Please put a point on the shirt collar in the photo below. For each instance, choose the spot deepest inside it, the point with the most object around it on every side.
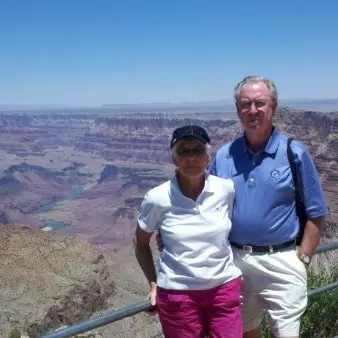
(207, 186)
(272, 145)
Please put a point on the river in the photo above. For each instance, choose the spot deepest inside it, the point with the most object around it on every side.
(55, 224)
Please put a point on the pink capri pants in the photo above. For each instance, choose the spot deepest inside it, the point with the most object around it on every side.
(214, 313)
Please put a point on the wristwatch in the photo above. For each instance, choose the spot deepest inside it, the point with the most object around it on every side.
(304, 258)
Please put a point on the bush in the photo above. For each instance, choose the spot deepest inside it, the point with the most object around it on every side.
(15, 333)
(320, 319)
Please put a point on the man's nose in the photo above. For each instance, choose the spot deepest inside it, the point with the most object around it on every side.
(253, 108)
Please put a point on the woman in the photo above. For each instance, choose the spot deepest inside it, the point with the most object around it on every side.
(197, 288)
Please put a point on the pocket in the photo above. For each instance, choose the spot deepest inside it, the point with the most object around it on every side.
(296, 259)
(292, 262)
(175, 301)
(306, 266)
(170, 300)
(232, 292)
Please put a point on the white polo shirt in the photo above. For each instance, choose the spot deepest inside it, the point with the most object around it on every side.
(196, 254)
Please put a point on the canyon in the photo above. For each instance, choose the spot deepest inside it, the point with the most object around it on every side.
(72, 178)
(87, 173)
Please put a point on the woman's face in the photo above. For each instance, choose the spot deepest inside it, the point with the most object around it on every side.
(191, 158)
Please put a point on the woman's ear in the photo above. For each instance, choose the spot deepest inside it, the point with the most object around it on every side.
(208, 158)
(174, 160)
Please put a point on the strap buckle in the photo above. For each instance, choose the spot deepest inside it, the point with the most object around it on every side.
(247, 249)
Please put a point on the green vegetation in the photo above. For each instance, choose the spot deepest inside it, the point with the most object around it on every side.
(332, 137)
(15, 333)
(320, 320)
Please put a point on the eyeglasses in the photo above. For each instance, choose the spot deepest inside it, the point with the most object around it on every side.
(190, 152)
(257, 103)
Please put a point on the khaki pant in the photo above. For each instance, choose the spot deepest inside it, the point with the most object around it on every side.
(274, 283)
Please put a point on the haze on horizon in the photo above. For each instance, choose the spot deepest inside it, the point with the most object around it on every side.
(82, 53)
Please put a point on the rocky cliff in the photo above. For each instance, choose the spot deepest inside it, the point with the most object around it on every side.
(319, 132)
(50, 280)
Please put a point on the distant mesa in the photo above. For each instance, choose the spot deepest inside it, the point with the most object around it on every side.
(326, 105)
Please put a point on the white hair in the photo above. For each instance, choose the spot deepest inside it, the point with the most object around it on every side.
(254, 79)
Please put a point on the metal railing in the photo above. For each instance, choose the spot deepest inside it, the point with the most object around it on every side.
(145, 305)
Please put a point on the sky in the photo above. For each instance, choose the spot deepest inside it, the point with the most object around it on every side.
(86, 52)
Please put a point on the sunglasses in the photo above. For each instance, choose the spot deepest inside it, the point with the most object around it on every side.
(190, 152)
(257, 103)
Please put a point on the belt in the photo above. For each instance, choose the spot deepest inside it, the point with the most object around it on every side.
(264, 248)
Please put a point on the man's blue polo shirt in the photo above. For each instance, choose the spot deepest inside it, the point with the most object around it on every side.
(264, 209)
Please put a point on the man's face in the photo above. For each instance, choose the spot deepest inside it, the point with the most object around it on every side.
(255, 107)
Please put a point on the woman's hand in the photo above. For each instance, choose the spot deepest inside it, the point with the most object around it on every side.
(152, 297)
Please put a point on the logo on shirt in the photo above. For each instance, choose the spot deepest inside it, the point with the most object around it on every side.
(274, 175)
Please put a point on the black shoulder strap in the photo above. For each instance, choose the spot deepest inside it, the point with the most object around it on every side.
(300, 208)
(292, 163)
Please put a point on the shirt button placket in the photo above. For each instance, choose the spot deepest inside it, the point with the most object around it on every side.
(254, 160)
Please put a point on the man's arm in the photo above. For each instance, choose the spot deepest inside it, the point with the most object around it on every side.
(311, 236)
(311, 193)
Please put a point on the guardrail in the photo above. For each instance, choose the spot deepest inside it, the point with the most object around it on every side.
(144, 305)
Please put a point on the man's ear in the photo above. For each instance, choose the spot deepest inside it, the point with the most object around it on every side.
(237, 108)
(274, 107)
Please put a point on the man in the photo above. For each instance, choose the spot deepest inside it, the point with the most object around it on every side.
(265, 224)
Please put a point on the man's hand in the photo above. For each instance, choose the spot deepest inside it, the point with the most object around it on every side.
(159, 242)
(311, 236)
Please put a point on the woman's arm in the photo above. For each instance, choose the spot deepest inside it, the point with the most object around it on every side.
(145, 259)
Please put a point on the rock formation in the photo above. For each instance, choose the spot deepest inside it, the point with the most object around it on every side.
(49, 280)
